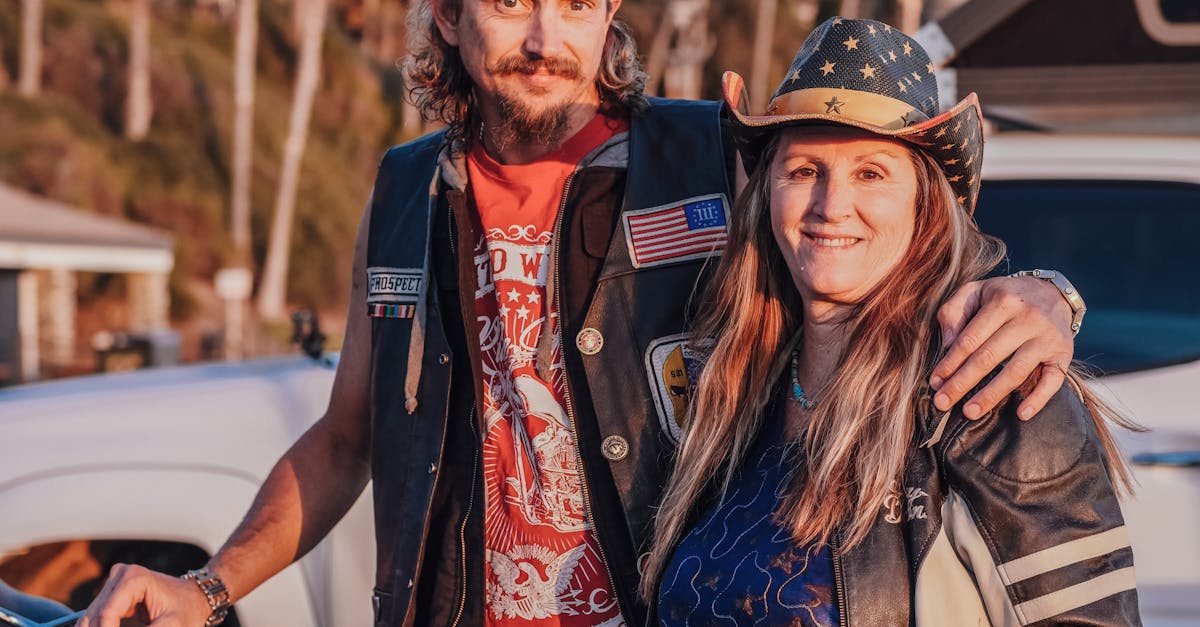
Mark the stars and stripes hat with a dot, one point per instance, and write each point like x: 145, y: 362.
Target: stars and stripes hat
x: 866, y: 74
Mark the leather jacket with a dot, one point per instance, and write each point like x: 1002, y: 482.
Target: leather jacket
x: 998, y: 522
x: 625, y: 383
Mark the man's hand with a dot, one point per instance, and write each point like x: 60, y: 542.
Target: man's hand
x: 1023, y: 320
x: 150, y: 597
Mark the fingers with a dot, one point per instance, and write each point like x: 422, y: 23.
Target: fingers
x: 1017, y: 324
x: 1019, y: 368
x: 124, y: 590
x: 953, y: 316
x: 985, y: 356
x: 1051, y: 380
x: 965, y: 345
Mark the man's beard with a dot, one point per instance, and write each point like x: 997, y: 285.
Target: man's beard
x: 521, y: 123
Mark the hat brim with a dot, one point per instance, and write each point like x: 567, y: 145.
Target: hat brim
x: 954, y: 138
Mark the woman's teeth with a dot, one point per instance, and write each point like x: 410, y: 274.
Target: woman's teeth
x: 835, y: 242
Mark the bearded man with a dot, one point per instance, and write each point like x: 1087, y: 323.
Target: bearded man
x: 515, y: 366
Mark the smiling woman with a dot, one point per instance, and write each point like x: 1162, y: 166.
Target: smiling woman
x: 842, y: 209
x: 815, y: 482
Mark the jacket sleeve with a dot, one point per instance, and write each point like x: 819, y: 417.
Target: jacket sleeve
x: 1032, y: 513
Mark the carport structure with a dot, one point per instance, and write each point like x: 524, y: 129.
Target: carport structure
x: 1123, y: 66
x: 43, y: 244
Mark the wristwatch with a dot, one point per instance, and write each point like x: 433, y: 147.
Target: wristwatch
x: 214, y: 591
x: 1068, y: 291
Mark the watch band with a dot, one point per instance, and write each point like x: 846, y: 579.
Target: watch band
x: 1068, y: 291
x: 214, y: 591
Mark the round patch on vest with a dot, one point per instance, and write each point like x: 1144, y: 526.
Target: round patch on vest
x: 615, y: 448
x: 589, y: 341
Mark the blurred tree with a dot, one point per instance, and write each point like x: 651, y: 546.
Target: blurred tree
x: 3, y: 71
x: 764, y: 39
x: 243, y: 128
x: 937, y: 9
x: 272, y: 288
x: 30, y: 81
x: 908, y: 16
x: 681, y: 47
x: 372, y: 26
x: 138, y: 106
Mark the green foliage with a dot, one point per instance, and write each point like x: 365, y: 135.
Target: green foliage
x: 67, y: 143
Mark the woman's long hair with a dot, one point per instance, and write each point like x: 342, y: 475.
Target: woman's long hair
x: 857, y: 438
x: 438, y: 83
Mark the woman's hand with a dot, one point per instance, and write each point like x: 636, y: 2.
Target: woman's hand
x: 1024, y: 321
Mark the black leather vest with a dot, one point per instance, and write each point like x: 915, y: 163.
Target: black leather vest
x: 624, y: 398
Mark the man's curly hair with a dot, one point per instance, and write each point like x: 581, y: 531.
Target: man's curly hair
x: 438, y: 83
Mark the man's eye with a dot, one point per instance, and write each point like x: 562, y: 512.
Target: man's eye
x: 805, y: 172
x: 579, y: 6
x: 871, y: 175
x: 510, y: 4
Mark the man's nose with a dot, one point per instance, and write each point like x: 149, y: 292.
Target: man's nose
x: 545, y: 36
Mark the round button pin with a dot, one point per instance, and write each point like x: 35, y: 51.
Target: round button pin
x: 589, y: 341
x: 615, y: 448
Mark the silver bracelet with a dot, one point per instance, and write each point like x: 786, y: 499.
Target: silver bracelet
x: 215, y: 593
x: 1068, y: 291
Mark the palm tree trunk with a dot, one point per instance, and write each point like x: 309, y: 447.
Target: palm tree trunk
x: 30, y: 81
x: 391, y: 31
x: 272, y: 290
x: 909, y: 15
x: 243, y: 127
x: 764, y: 40
x: 683, y: 77
x: 660, y: 49
x: 3, y: 71
x: 372, y: 26
x: 138, y: 107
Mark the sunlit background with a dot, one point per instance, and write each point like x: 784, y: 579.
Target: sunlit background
x: 195, y: 169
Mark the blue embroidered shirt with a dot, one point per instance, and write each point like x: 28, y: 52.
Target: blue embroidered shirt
x: 738, y: 566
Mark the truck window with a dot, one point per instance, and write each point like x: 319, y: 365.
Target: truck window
x: 1132, y: 249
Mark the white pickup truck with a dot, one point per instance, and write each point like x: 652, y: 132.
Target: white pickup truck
x: 158, y: 466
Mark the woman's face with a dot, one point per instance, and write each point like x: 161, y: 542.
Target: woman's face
x: 843, y: 204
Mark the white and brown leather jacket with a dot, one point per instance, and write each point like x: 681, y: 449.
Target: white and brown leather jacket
x: 999, y: 522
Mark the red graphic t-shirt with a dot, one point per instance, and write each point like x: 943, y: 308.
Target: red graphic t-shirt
x: 544, y: 566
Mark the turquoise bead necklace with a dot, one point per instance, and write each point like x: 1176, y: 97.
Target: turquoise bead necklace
x: 798, y: 394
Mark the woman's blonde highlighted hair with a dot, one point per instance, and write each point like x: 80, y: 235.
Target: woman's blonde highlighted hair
x: 853, y: 447
x: 438, y: 83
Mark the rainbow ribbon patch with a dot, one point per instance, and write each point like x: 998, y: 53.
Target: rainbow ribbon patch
x: 391, y: 311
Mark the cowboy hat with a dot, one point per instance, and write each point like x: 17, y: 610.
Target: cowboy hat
x: 868, y: 75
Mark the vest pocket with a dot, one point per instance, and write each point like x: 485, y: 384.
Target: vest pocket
x: 381, y: 607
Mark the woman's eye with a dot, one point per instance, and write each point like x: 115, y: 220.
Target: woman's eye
x: 510, y: 4
x: 579, y: 6
x: 871, y: 175
x: 805, y: 172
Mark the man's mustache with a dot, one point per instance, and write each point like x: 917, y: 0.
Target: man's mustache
x: 557, y: 66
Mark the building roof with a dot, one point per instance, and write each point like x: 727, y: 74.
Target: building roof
x: 1083, y: 65
x: 38, y: 232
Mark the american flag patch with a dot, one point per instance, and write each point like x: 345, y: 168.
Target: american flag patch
x: 391, y: 311
x: 690, y: 229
